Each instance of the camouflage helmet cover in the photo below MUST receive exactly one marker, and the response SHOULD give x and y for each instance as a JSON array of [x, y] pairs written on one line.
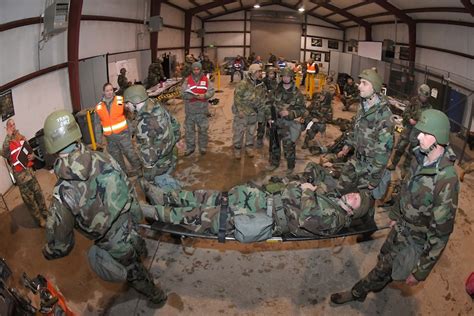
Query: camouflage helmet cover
[[135, 94]]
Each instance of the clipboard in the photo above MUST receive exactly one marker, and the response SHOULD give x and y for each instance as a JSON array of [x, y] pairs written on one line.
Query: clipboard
[[23, 154]]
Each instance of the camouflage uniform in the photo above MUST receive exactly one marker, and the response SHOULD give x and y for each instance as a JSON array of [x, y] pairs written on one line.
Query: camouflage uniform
[[306, 213], [155, 74], [207, 66], [187, 70], [289, 130], [320, 113], [157, 134], [119, 144], [408, 137], [372, 141], [197, 114], [249, 100], [30, 189], [425, 219], [350, 95], [122, 81], [270, 85], [94, 196]]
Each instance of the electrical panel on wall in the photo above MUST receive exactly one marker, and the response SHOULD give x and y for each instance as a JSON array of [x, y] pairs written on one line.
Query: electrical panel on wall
[[155, 24], [55, 18]]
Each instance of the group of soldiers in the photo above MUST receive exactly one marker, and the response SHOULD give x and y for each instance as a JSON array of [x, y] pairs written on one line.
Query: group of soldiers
[[94, 195]]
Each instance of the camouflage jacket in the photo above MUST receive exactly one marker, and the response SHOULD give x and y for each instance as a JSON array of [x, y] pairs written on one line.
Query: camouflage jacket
[[321, 110], [157, 134], [310, 213], [427, 207], [291, 100], [200, 106], [270, 84], [351, 90], [90, 194], [372, 138], [122, 81], [414, 109], [20, 177], [187, 70], [249, 96], [207, 66]]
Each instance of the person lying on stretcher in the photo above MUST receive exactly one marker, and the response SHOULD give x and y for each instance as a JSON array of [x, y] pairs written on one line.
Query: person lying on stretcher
[[297, 207]]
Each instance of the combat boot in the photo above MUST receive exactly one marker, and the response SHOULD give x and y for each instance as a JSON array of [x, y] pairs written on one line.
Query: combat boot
[[237, 153], [343, 298], [159, 298], [259, 143], [249, 152]]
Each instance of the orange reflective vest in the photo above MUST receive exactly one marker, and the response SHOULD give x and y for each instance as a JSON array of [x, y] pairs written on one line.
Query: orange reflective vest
[[113, 122], [15, 147], [199, 87], [311, 68]]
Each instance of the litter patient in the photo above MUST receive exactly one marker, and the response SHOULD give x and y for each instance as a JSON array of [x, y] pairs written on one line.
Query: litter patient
[[298, 206]]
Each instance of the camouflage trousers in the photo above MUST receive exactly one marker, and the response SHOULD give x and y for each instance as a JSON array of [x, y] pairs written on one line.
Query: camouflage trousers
[[244, 127], [119, 145], [355, 175], [201, 121], [31, 194], [408, 140], [288, 134], [261, 126], [127, 247]]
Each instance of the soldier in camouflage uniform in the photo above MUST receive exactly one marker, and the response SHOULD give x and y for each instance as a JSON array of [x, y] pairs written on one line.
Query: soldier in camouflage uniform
[[305, 208], [94, 196], [187, 68], [330, 86], [350, 94], [423, 219], [25, 179], [408, 138], [289, 104], [157, 133], [207, 66], [271, 82], [155, 74], [249, 100], [371, 139], [318, 115], [122, 81], [197, 90]]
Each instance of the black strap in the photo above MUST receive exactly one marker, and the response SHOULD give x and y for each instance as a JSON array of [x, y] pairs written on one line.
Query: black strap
[[223, 217]]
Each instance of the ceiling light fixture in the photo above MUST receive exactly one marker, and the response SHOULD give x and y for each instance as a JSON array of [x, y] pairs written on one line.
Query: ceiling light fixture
[[301, 9], [256, 5]]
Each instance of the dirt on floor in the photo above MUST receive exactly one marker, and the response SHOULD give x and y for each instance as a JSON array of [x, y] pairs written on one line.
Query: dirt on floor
[[204, 277]]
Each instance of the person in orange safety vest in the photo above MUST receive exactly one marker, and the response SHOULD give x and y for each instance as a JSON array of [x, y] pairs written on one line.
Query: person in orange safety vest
[[110, 111]]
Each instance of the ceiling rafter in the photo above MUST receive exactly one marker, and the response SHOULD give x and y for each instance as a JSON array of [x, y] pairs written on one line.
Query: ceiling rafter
[[283, 4], [344, 13], [210, 5], [395, 11], [469, 6], [351, 7], [263, 4]]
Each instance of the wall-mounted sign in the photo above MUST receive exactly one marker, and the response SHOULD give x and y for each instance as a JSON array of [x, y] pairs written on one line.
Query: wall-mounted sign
[[6, 105], [333, 44], [316, 42]]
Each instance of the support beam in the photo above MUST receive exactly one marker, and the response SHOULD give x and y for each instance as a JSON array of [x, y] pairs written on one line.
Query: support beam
[[245, 32], [405, 18], [188, 17], [210, 5], [469, 6], [73, 31], [155, 9]]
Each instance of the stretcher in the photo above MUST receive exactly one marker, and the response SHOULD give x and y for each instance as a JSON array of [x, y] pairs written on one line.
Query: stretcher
[[179, 230]]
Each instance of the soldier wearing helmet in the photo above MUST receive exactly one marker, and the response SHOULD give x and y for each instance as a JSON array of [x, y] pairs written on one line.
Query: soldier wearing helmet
[[289, 104], [271, 82], [122, 81], [408, 138], [423, 218], [249, 100], [157, 134], [94, 196], [372, 139], [155, 74]]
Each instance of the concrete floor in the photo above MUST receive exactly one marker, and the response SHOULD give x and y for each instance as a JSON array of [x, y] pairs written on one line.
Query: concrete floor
[[207, 278]]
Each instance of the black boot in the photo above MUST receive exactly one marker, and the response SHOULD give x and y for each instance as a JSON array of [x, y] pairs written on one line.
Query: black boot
[[343, 298]]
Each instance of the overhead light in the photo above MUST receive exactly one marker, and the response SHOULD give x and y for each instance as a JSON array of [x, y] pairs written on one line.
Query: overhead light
[[256, 6], [301, 9]]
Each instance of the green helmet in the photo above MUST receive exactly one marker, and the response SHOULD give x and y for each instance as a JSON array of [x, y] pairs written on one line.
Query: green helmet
[[287, 72], [135, 94], [60, 130], [254, 68], [271, 69], [424, 90], [373, 77], [436, 123]]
